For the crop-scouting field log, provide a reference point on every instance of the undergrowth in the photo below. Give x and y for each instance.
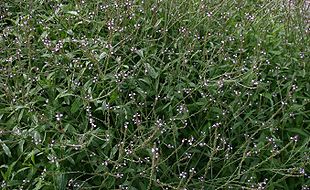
(166, 94)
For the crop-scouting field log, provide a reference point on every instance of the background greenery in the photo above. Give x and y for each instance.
(166, 94)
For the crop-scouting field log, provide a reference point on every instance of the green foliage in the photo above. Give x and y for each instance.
(165, 94)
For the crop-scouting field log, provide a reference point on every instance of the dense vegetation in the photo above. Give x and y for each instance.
(166, 94)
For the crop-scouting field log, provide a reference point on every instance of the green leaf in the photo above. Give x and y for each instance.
(158, 22)
(71, 160)
(146, 80)
(275, 52)
(113, 151)
(73, 13)
(114, 96)
(102, 55)
(299, 120)
(142, 185)
(140, 52)
(6, 150)
(9, 171)
(69, 128)
(21, 146)
(151, 70)
(63, 93)
(39, 185)
(61, 182)
(299, 131)
(37, 136)
(22, 169)
(31, 155)
(76, 105)
(20, 116)
(269, 97)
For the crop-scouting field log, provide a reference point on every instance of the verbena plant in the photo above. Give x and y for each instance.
(167, 94)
